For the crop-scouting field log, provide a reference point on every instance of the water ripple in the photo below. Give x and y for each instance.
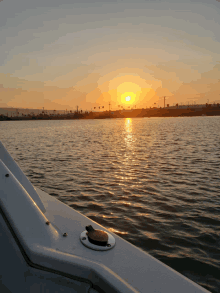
(154, 182)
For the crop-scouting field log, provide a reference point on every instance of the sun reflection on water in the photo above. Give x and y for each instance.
(128, 132)
(117, 231)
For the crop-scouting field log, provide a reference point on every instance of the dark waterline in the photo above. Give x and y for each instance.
(154, 182)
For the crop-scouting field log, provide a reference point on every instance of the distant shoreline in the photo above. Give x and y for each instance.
(208, 110)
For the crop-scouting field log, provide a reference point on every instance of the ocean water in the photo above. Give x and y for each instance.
(153, 181)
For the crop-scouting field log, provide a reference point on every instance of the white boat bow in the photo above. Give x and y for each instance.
(42, 247)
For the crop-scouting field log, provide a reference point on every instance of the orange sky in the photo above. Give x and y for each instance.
(61, 55)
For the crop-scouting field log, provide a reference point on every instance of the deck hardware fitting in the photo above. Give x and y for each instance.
(6, 175)
(65, 234)
(47, 223)
(98, 240)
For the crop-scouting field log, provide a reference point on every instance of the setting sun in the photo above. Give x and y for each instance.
(128, 98)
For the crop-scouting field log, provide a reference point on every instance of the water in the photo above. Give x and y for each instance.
(154, 182)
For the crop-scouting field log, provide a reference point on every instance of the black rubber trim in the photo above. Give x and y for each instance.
(36, 266)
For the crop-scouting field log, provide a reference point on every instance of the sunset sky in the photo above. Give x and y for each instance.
(60, 54)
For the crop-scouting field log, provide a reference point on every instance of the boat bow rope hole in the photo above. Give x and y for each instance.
(97, 239)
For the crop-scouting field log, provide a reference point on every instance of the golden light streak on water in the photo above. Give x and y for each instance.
(117, 231)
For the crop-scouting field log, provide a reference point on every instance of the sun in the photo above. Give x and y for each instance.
(128, 98)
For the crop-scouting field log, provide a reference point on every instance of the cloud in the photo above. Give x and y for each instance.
(18, 92)
(199, 90)
(10, 81)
